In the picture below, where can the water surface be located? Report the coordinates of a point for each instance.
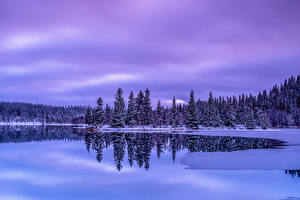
(66, 163)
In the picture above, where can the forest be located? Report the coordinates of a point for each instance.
(278, 107)
(26, 112)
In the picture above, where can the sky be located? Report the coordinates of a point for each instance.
(69, 52)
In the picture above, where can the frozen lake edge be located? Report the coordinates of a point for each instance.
(258, 159)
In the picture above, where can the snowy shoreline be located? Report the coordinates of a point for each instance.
(178, 130)
(145, 129)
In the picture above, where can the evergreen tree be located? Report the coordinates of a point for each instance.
(174, 121)
(140, 108)
(131, 111)
(212, 117)
(159, 114)
(250, 121)
(99, 113)
(230, 116)
(88, 116)
(108, 114)
(118, 118)
(147, 114)
(192, 113)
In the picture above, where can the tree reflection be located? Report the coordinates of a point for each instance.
(139, 146)
(293, 173)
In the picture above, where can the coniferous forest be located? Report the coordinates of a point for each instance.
(26, 112)
(278, 107)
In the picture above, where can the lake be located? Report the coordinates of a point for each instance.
(38, 163)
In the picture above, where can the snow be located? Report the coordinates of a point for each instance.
(284, 158)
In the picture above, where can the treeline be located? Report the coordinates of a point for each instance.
(26, 112)
(279, 107)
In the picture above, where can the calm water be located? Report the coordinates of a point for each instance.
(65, 163)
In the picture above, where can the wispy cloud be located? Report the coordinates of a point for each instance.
(32, 178)
(96, 81)
(14, 197)
(69, 160)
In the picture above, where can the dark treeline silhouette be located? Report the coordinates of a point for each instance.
(293, 173)
(26, 112)
(139, 147)
(278, 107)
(21, 134)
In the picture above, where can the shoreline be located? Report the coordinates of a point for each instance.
(148, 129)
(37, 124)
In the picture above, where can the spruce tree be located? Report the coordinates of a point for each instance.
(174, 121)
(118, 118)
(230, 115)
(99, 113)
(250, 121)
(131, 111)
(192, 113)
(212, 117)
(88, 116)
(147, 114)
(159, 114)
(108, 114)
(140, 108)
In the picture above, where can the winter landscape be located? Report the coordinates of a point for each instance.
(149, 100)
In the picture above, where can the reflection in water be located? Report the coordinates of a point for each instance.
(137, 147)
(293, 173)
(20, 134)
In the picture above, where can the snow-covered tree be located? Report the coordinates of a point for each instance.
(88, 116)
(250, 121)
(140, 108)
(230, 115)
(131, 111)
(192, 113)
(159, 114)
(211, 116)
(147, 116)
(174, 119)
(99, 113)
(118, 118)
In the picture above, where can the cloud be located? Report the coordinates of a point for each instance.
(201, 182)
(69, 160)
(34, 39)
(14, 197)
(165, 46)
(33, 178)
(96, 81)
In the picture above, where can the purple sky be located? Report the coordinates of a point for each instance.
(70, 52)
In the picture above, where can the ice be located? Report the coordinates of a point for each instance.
(283, 158)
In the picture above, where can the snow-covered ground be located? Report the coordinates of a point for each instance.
(287, 157)
(106, 128)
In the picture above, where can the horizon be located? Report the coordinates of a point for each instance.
(57, 53)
